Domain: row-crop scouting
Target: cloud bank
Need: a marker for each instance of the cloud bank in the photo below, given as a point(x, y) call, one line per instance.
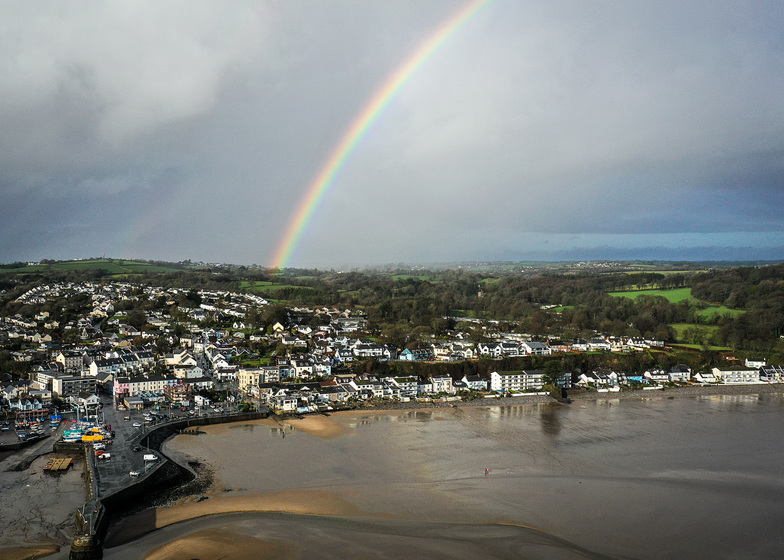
point(540, 130)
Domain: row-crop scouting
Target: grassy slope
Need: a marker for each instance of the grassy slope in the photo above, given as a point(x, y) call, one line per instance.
point(674, 296)
point(112, 266)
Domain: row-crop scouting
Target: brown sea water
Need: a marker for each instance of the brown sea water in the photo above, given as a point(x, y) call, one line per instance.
point(614, 478)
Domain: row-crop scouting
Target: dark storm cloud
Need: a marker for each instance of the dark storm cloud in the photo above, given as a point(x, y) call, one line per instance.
point(193, 129)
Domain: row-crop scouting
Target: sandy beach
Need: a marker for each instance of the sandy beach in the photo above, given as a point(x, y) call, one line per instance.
point(223, 542)
point(223, 499)
point(386, 477)
point(303, 502)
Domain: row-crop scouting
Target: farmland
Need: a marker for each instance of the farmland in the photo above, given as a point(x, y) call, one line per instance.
point(112, 267)
point(673, 296)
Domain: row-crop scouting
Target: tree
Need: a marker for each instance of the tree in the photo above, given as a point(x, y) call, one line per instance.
point(552, 372)
point(136, 318)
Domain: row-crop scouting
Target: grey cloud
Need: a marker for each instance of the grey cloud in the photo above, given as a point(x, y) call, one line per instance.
point(205, 123)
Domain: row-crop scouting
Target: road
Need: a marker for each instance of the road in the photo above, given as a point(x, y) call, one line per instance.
point(129, 445)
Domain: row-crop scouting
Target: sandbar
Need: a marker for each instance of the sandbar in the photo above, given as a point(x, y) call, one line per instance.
point(304, 502)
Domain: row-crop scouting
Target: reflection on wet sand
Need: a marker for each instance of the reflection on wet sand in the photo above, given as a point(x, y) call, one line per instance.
point(311, 502)
point(614, 478)
point(288, 537)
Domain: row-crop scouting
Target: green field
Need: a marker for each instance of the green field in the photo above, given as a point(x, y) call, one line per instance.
point(673, 296)
point(700, 347)
point(266, 287)
point(420, 277)
point(253, 285)
point(681, 328)
point(462, 313)
point(720, 310)
point(679, 295)
point(111, 266)
point(654, 270)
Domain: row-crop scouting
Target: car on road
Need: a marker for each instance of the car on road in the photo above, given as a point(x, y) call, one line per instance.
point(134, 474)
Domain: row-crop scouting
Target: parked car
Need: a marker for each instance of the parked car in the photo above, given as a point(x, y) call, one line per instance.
point(137, 425)
point(134, 474)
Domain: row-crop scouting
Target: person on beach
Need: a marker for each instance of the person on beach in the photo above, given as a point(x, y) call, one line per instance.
point(486, 471)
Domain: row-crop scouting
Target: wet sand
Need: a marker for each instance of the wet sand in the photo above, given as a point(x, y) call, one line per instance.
point(303, 502)
point(293, 537)
point(38, 508)
point(28, 553)
point(604, 478)
point(222, 542)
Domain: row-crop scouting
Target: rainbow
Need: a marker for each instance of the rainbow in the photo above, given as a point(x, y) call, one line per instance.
point(360, 127)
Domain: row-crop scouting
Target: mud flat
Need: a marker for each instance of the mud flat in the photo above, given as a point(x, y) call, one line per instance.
point(37, 516)
point(602, 478)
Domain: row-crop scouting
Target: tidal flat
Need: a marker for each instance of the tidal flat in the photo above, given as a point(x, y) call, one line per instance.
point(606, 478)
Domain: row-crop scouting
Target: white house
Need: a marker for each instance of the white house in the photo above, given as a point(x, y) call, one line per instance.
point(704, 377)
point(506, 381)
point(680, 373)
point(532, 379)
point(737, 374)
point(756, 362)
point(475, 383)
point(536, 348)
point(442, 384)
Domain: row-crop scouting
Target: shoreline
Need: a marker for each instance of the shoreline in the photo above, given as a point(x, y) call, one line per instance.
point(177, 510)
point(213, 501)
point(689, 391)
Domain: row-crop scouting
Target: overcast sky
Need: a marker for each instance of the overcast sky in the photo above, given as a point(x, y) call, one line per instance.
point(540, 130)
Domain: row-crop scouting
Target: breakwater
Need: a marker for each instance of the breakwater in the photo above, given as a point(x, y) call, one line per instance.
point(95, 516)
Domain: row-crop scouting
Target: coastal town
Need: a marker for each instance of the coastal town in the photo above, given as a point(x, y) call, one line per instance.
point(101, 386)
point(311, 369)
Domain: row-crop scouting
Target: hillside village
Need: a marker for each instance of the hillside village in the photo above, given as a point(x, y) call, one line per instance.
point(211, 349)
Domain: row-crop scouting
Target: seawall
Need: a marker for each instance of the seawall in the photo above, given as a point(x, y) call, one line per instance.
point(95, 516)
